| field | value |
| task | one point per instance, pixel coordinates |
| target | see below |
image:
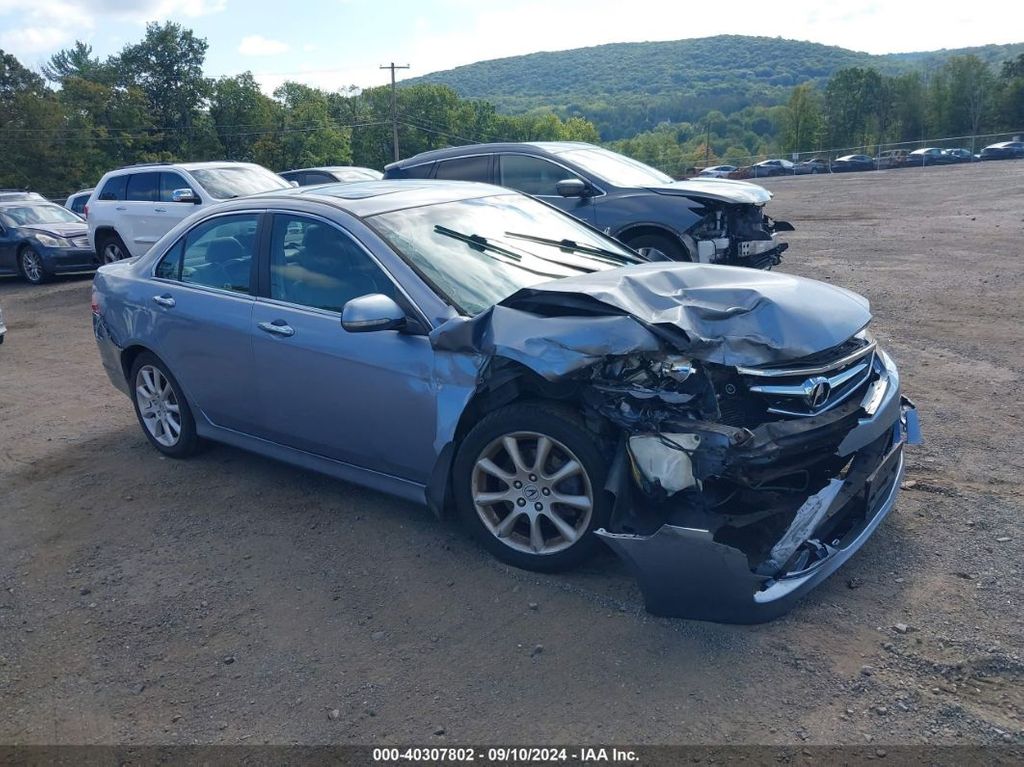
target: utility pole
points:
(394, 103)
(707, 145)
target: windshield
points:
(37, 213)
(238, 181)
(477, 252)
(616, 169)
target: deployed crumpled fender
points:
(727, 315)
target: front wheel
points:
(111, 249)
(529, 482)
(653, 245)
(163, 413)
(31, 266)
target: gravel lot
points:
(230, 599)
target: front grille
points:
(810, 386)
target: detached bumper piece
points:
(685, 572)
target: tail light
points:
(85, 211)
(95, 305)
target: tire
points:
(110, 249)
(528, 527)
(31, 266)
(165, 416)
(671, 249)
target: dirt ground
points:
(231, 599)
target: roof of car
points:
(330, 168)
(189, 166)
(368, 198)
(552, 147)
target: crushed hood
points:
(721, 314)
(58, 230)
(720, 189)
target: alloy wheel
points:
(32, 265)
(532, 493)
(112, 252)
(158, 405)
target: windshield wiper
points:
(572, 245)
(483, 245)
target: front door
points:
(366, 399)
(540, 177)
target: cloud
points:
(257, 45)
(52, 24)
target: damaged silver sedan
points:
(733, 435)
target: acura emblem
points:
(816, 392)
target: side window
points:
(314, 264)
(318, 178)
(466, 169)
(114, 189)
(169, 267)
(144, 187)
(531, 174)
(78, 204)
(219, 253)
(168, 183)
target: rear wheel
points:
(163, 413)
(529, 484)
(111, 248)
(31, 266)
(651, 244)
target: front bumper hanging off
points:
(683, 572)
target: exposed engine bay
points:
(738, 234)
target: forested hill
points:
(626, 88)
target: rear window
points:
(466, 169)
(114, 188)
(144, 187)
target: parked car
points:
(777, 167)
(708, 220)
(853, 162)
(929, 156)
(10, 195)
(330, 174)
(813, 166)
(959, 155)
(1004, 150)
(133, 207)
(76, 202)
(41, 239)
(717, 171)
(734, 436)
(3, 327)
(891, 158)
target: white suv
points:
(133, 207)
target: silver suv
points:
(133, 207)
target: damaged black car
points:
(733, 435)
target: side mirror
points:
(185, 195)
(572, 187)
(293, 183)
(371, 312)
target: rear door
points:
(539, 177)
(203, 298)
(366, 399)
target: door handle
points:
(278, 328)
(164, 300)
(120, 207)
(159, 210)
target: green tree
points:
(802, 120)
